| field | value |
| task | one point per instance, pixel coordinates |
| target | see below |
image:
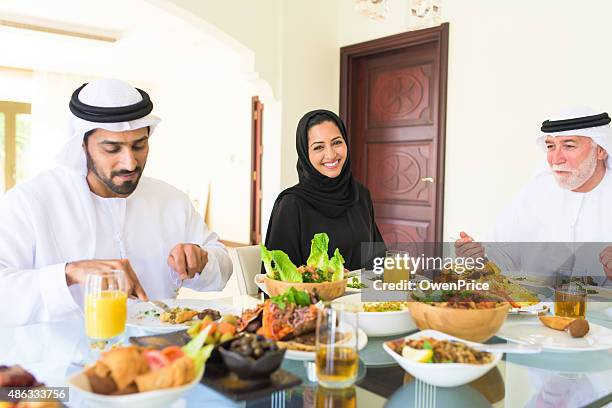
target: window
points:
(14, 140)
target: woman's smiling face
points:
(326, 149)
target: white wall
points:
(15, 85)
(295, 50)
(310, 70)
(254, 24)
(198, 84)
(511, 64)
(205, 138)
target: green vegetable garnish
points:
(427, 345)
(292, 295)
(354, 283)
(194, 329)
(196, 350)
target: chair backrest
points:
(247, 264)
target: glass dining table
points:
(54, 351)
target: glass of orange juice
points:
(105, 308)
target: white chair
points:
(247, 264)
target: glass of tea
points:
(105, 308)
(337, 358)
(396, 266)
(570, 293)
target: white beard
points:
(578, 176)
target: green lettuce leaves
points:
(318, 251)
(278, 265)
(336, 265)
(266, 258)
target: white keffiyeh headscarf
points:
(102, 93)
(602, 135)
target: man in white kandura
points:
(570, 201)
(94, 212)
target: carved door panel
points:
(393, 99)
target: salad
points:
(319, 267)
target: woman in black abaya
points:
(326, 199)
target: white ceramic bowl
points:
(442, 374)
(150, 399)
(379, 324)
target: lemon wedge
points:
(420, 356)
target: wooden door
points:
(393, 100)
(256, 157)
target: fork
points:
(159, 304)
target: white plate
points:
(259, 281)
(310, 355)
(137, 318)
(149, 399)
(532, 331)
(379, 324)
(442, 374)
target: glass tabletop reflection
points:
(53, 351)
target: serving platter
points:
(532, 331)
(140, 314)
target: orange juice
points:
(105, 314)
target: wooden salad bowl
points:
(476, 325)
(325, 290)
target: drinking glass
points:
(399, 269)
(336, 398)
(337, 358)
(105, 308)
(570, 293)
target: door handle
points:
(428, 180)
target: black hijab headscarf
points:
(330, 196)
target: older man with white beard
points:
(570, 201)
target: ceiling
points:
(149, 39)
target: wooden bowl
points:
(476, 325)
(325, 290)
